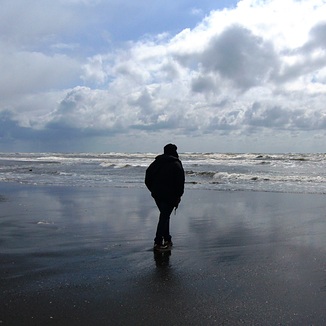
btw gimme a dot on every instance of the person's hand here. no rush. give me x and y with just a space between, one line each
177 202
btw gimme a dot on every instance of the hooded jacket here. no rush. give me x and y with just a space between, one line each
165 178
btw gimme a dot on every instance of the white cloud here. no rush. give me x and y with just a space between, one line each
94 70
33 72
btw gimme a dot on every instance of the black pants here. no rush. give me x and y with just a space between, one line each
163 226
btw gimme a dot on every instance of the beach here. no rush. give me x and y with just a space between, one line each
83 256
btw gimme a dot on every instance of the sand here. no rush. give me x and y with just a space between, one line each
83 256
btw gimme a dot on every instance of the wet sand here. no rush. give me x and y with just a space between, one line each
84 256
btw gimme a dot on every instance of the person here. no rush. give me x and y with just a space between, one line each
165 180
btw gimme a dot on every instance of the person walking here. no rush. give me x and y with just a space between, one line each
165 180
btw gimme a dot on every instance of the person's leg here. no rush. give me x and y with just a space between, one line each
163 226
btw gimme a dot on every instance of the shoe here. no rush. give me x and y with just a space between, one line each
169 244
160 247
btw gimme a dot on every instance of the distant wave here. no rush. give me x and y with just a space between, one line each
288 172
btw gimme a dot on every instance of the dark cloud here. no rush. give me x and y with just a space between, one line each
144 101
260 116
54 137
305 59
283 118
317 38
203 84
235 56
239 56
11 130
313 121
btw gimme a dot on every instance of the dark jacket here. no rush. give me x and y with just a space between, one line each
165 178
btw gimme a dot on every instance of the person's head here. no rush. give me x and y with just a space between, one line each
171 149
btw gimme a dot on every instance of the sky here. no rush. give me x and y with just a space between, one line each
131 76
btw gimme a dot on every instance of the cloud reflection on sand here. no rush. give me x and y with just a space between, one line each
237 256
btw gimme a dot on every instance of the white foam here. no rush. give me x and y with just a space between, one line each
211 170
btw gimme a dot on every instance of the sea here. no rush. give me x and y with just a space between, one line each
287 173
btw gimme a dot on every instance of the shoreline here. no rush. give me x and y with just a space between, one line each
81 256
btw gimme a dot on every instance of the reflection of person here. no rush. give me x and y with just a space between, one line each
162 258
165 180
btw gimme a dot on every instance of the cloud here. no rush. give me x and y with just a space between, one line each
252 67
29 72
317 37
240 57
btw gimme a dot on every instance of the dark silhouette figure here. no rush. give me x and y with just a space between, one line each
165 180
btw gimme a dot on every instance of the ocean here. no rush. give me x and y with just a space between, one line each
288 173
